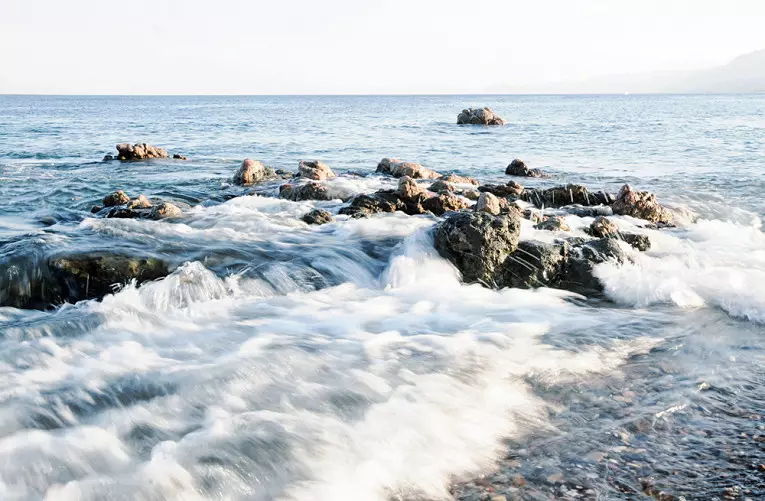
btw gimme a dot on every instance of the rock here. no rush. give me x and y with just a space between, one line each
96 209
315 170
579 276
140 151
553 223
536 264
283 174
442 187
518 168
125 213
408 188
455 179
108 158
93 275
178 156
250 172
141 202
478 244
441 204
318 216
592 211
479 116
165 210
639 242
603 227
366 205
560 196
470 194
534 216
117 198
488 203
511 189
640 204
398 168
311 190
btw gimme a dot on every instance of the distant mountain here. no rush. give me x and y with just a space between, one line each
745 74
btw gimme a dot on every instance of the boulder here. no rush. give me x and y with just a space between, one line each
140 151
642 205
117 198
536 264
603 227
318 216
140 202
487 203
398 168
408 188
455 179
108 158
470 194
478 244
165 210
592 211
511 189
479 116
582 259
553 223
366 205
250 172
560 196
442 187
315 170
518 168
444 203
125 213
639 242
178 156
312 190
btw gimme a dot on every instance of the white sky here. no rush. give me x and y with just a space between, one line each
351 46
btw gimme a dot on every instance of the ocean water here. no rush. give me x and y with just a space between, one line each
348 361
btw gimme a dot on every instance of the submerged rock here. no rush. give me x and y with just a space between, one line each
553 223
140 202
116 198
140 151
518 168
488 203
642 205
478 244
511 189
579 272
178 156
318 216
250 172
560 196
444 203
165 210
315 170
479 116
399 168
639 242
108 158
312 190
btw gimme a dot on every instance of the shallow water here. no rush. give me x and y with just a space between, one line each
282 361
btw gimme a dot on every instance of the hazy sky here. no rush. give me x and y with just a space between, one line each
352 46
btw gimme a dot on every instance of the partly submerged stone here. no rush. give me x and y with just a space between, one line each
116 198
365 205
642 205
553 223
536 264
315 170
140 202
456 179
312 190
165 210
519 168
478 244
399 168
408 188
511 189
250 172
488 203
441 204
479 116
140 151
442 187
318 216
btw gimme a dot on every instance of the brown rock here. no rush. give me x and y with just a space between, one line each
553 223
140 202
518 168
443 203
311 190
116 198
479 116
408 188
603 227
455 179
442 187
140 151
165 210
315 170
489 203
251 172
640 204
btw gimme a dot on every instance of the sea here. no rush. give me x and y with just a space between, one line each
348 361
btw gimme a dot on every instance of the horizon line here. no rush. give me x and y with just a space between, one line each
502 94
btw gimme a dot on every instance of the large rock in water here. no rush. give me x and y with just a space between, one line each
642 205
250 172
399 168
518 168
479 116
318 216
570 194
366 205
511 189
312 190
478 244
441 204
315 170
139 151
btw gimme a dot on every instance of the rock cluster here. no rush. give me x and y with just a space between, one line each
119 205
408 198
570 194
479 116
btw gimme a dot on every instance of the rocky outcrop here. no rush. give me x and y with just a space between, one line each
250 172
318 216
478 244
488 203
139 151
553 223
444 203
511 189
519 168
399 168
116 198
479 116
642 205
165 210
314 170
312 190
561 196
455 179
